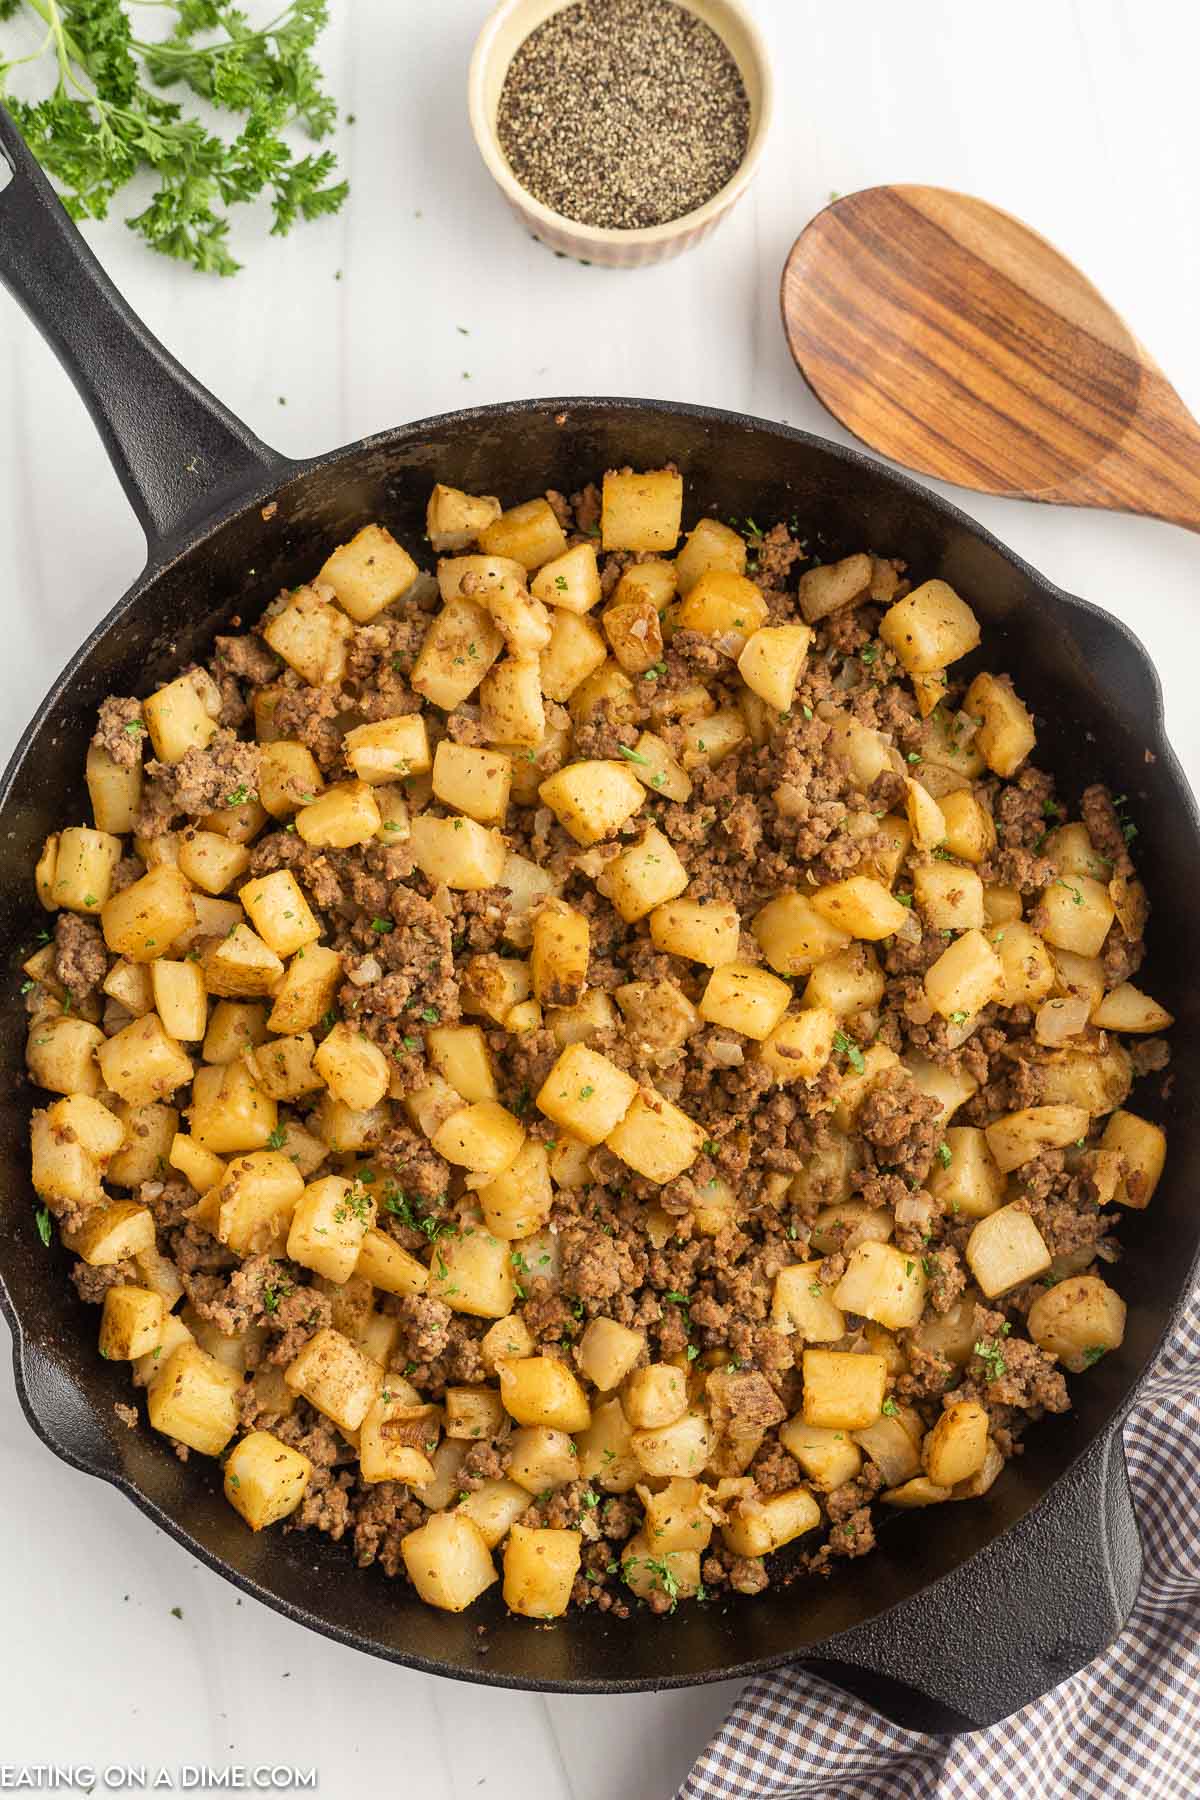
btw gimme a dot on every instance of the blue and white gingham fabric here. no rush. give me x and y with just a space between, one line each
1125 1728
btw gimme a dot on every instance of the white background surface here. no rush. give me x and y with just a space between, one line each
1080 117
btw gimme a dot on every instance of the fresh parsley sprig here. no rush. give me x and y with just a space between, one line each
102 124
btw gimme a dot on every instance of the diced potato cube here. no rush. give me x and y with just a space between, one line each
644 876
710 545
1006 1249
60 1054
606 1451
229 1111
517 1202
702 931
460 647
830 586
460 1055
884 1284
793 936
558 963
575 651
608 1351
1126 1008
1075 913
180 999
145 918
265 1479
127 982
1027 973
199 1167
930 690
142 1063
43 874
949 898
1144 1149
757 1527
84 868
386 1265
722 603
215 918
965 1177
650 583
115 791
656 1138
530 534
641 511
1006 735
930 628
571 581
970 830
343 816
149 1133
84 1120
586 1094
920 1491
306 992
655 1395
592 800
540 1567
473 781
956 1448
288 777
459 852
482 1137
845 983
353 1067
178 720
279 912
1001 904
745 999
1078 1320
210 861
473 1274
926 820
397 1437
711 738
1018 1136
801 1044
311 636
511 705
841 1390
240 964
454 519
541 1390
542 1457
255 1202
861 906
657 769
682 1448
771 662
389 749
131 1324
964 978
828 1458
802 1305
331 1218
369 573
634 633
193 1399
580 1023
110 1234
333 1375
448 1561
494 985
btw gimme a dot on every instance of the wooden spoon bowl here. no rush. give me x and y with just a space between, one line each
949 336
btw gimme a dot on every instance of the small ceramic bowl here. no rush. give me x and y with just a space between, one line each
507 28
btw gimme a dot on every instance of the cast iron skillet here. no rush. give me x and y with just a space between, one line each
964 1613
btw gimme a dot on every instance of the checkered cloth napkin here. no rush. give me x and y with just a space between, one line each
1125 1728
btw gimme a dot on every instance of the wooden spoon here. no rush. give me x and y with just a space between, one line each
949 336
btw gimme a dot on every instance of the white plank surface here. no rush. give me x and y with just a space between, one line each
1080 116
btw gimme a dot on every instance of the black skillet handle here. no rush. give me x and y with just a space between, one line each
1014 1621
178 452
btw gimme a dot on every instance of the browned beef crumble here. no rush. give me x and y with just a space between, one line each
689 1263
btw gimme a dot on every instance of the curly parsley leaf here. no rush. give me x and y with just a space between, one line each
108 119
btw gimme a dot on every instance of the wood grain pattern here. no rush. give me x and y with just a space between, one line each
949 336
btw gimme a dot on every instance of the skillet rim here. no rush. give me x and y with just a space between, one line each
175 548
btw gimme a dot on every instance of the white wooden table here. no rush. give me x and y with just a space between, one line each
1078 115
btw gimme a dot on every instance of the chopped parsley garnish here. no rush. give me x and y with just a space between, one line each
889 1408
632 755
850 1050
944 1154
278 1138
42 1220
991 1356
1093 1353
430 1014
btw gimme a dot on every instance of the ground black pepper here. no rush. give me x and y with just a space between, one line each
623 113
